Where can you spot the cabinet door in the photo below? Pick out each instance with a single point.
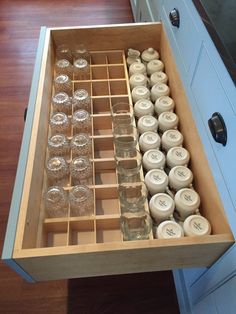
(144, 14)
(224, 297)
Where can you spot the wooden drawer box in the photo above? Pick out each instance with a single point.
(43, 249)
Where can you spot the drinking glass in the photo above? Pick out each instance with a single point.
(125, 138)
(81, 145)
(81, 121)
(62, 83)
(121, 114)
(80, 51)
(81, 170)
(57, 170)
(81, 100)
(58, 145)
(81, 201)
(129, 166)
(61, 102)
(81, 69)
(59, 123)
(136, 226)
(64, 66)
(56, 202)
(132, 196)
(64, 52)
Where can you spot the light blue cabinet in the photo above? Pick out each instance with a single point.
(210, 89)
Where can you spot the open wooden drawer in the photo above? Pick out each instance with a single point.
(42, 248)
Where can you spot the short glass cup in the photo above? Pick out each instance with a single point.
(64, 52)
(57, 170)
(132, 196)
(64, 66)
(59, 123)
(125, 138)
(129, 167)
(136, 226)
(121, 114)
(58, 145)
(81, 100)
(62, 83)
(81, 121)
(81, 201)
(81, 69)
(61, 102)
(80, 51)
(81, 171)
(81, 145)
(56, 202)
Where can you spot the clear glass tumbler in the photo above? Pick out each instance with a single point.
(136, 226)
(129, 167)
(81, 145)
(57, 170)
(60, 123)
(121, 113)
(81, 100)
(125, 138)
(81, 201)
(61, 102)
(132, 196)
(81, 171)
(81, 121)
(80, 51)
(64, 52)
(56, 202)
(58, 145)
(81, 69)
(64, 66)
(62, 83)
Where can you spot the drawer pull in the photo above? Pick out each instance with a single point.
(25, 113)
(218, 128)
(174, 17)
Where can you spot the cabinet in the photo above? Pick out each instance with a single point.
(41, 248)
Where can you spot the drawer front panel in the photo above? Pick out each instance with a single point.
(205, 86)
(186, 36)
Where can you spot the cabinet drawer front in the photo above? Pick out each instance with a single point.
(205, 87)
(69, 247)
(185, 36)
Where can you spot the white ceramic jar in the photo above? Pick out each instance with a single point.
(149, 140)
(159, 90)
(161, 207)
(133, 55)
(167, 120)
(177, 156)
(143, 107)
(138, 79)
(153, 159)
(156, 181)
(149, 54)
(168, 229)
(154, 66)
(171, 138)
(196, 225)
(158, 78)
(140, 92)
(187, 202)
(137, 67)
(163, 104)
(147, 123)
(180, 177)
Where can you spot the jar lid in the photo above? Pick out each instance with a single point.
(147, 123)
(149, 54)
(196, 225)
(169, 229)
(153, 158)
(161, 206)
(177, 156)
(158, 77)
(143, 107)
(187, 199)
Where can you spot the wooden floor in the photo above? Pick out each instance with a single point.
(20, 22)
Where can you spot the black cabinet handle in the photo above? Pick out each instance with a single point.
(25, 113)
(218, 128)
(174, 17)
